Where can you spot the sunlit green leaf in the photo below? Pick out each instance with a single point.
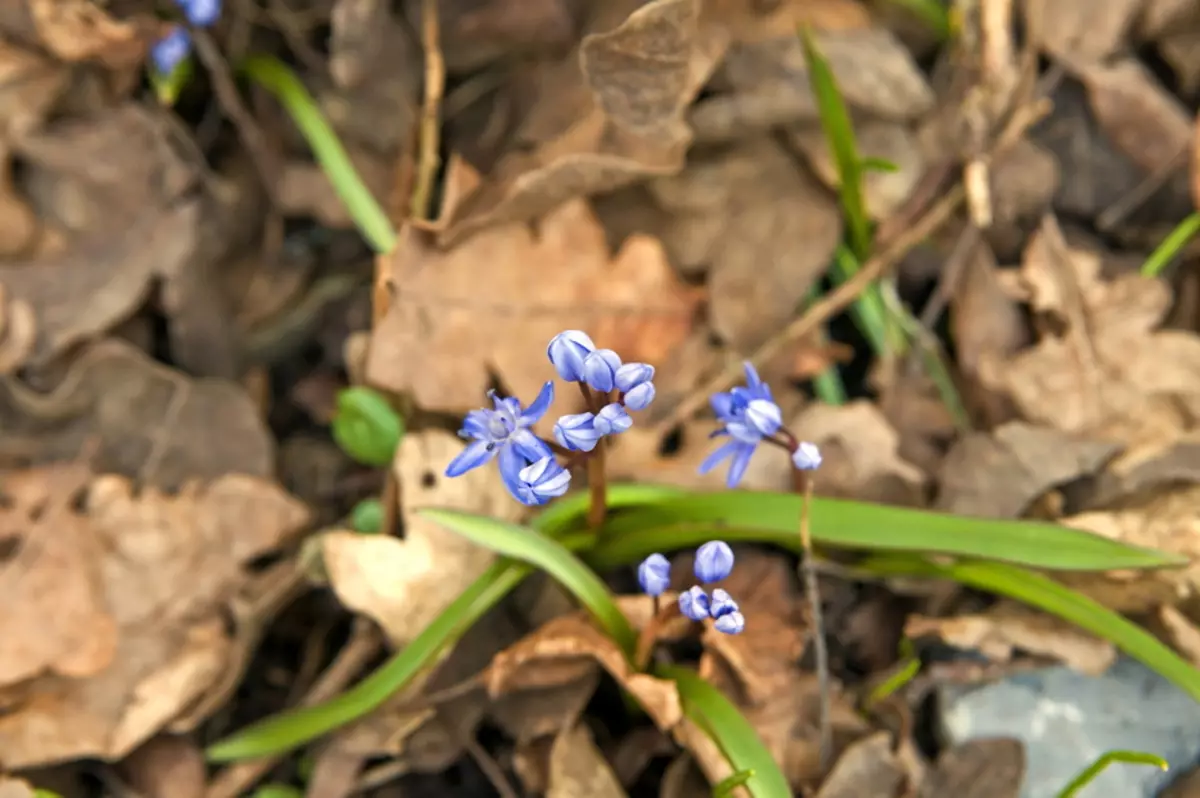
(1171, 246)
(366, 427)
(367, 516)
(725, 787)
(1096, 768)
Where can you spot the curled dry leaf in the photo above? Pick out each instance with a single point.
(861, 454)
(643, 75)
(986, 768)
(568, 648)
(1000, 474)
(1007, 628)
(867, 767)
(440, 342)
(79, 30)
(403, 584)
(123, 600)
(578, 768)
(765, 229)
(149, 422)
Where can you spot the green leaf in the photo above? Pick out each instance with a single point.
(274, 76)
(1044, 593)
(1171, 246)
(546, 554)
(873, 164)
(277, 791)
(1096, 768)
(725, 787)
(709, 709)
(168, 87)
(774, 518)
(839, 133)
(287, 730)
(366, 427)
(367, 516)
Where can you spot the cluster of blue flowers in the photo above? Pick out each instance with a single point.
(528, 467)
(168, 51)
(714, 562)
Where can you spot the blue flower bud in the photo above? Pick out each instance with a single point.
(807, 457)
(577, 432)
(764, 416)
(567, 351)
(600, 369)
(542, 481)
(631, 375)
(201, 13)
(731, 623)
(714, 561)
(168, 51)
(654, 575)
(639, 397)
(612, 419)
(693, 603)
(722, 603)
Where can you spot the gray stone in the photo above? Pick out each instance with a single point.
(1067, 720)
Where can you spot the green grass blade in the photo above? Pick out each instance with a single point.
(1096, 768)
(546, 554)
(726, 786)
(1171, 246)
(839, 133)
(569, 511)
(869, 311)
(274, 76)
(773, 517)
(1044, 593)
(709, 709)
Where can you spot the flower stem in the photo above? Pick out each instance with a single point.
(804, 486)
(597, 482)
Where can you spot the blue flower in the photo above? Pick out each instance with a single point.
(201, 13)
(600, 370)
(714, 561)
(654, 575)
(722, 603)
(168, 51)
(633, 380)
(612, 419)
(747, 415)
(577, 432)
(807, 457)
(731, 623)
(541, 481)
(567, 351)
(693, 603)
(504, 432)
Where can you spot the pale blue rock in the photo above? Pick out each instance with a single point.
(1067, 719)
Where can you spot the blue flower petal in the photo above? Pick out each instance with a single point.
(475, 455)
(725, 450)
(511, 464)
(693, 603)
(714, 562)
(529, 446)
(737, 469)
(731, 623)
(540, 405)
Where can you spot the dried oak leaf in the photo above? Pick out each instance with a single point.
(1081, 31)
(149, 422)
(642, 75)
(578, 768)
(985, 768)
(1000, 474)
(403, 584)
(867, 767)
(79, 30)
(159, 567)
(569, 648)
(1109, 369)
(492, 304)
(1007, 628)
(765, 228)
(765, 84)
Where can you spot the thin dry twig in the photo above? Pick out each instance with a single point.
(845, 294)
(812, 593)
(435, 84)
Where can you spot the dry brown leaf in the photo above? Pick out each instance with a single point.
(1182, 633)
(1181, 51)
(988, 326)
(148, 421)
(404, 584)
(79, 30)
(167, 767)
(460, 315)
(1006, 628)
(1000, 474)
(18, 333)
(867, 768)
(861, 454)
(1141, 118)
(15, 788)
(987, 768)
(569, 647)
(161, 567)
(766, 84)
(1161, 16)
(1079, 30)
(475, 32)
(578, 768)
(643, 75)
(765, 229)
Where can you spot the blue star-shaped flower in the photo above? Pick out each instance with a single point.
(747, 415)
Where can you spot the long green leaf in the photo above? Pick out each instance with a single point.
(289, 729)
(1171, 246)
(274, 76)
(708, 708)
(1044, 593)
(1093, 770)
(546, 554)
(773, 517)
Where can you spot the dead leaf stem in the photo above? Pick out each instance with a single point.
(808, 570)
(435, 83)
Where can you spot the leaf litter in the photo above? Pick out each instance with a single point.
(654, 173)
